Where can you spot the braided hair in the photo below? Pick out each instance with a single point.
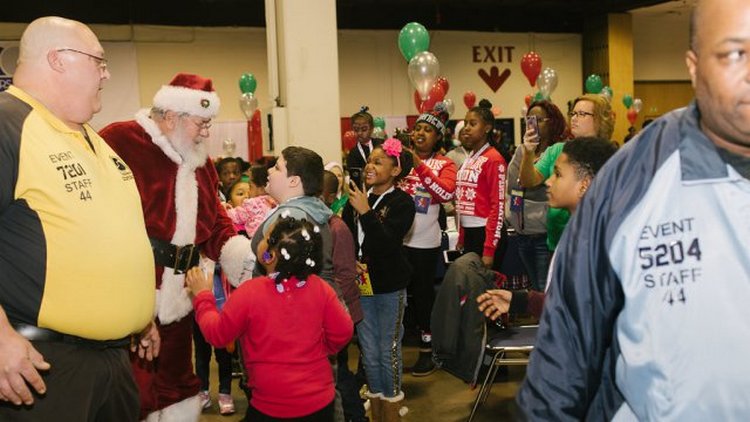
(299, 247)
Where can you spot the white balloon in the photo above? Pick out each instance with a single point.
(547, 82)
(423, 72)
(228, 146)
(449, 106)
(637, 105)
(248, 104)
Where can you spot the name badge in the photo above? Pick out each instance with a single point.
(516, 200)
(422, 201)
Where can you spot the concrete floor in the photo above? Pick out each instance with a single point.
(438, 397)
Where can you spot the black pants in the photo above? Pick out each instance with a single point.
(474, 242)
(83, 384)
(348, 388)
(323, 415)
(203, 361)
(422, 286)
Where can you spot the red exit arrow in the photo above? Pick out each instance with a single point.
(494, 79)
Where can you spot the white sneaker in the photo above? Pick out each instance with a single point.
(226, 404)
(205, 399)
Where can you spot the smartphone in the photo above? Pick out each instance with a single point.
(355, 175)
(531, 122)
(451, 255)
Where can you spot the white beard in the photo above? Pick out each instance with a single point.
(192, 151)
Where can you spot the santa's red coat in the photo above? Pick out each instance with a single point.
(180, 206)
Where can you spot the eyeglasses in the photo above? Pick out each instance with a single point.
(202, 125)
(579, 114)
(101, 61)
(364, 128)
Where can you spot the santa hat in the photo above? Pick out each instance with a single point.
(435, 117)
(191, 94)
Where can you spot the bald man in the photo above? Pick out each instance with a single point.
(75, 286)
(647, 316)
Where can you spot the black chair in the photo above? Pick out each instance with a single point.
(518, 341)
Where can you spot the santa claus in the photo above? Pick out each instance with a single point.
(165, 148)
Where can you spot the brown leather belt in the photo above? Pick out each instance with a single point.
(33, 333)
(179, 258)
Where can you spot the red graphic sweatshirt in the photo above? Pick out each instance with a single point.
(480, 192)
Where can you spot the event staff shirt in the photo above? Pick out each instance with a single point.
(74, 254)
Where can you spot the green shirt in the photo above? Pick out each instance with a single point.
(557, 218)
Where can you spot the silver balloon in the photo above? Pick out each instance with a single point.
(547, 82)
(423, 72)
(449, 106)
(637, 105)
(228, 146)
(378, 133)
(248, 104)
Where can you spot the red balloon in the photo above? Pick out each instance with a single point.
(632, 116)
(470, 99)
(527, 100)
(417, 101)
(443, 82)
(435, 95)
(350, 140)
(531, 66)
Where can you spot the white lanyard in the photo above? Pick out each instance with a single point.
(473, 157)
(360, 232)
(470, 159)
(362, 151)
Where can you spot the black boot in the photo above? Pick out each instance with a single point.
(424, 366)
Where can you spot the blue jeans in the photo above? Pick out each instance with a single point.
(380, 334)
(535, 257)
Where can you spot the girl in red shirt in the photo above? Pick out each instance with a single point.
(480, 186)
(288, 321)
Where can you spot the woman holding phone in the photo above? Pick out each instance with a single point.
(591, 116)
(526, 208)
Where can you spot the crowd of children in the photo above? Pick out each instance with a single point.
(345, 247)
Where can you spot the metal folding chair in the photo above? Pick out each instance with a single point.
(518, 341)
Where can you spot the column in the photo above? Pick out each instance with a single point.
(303, 72)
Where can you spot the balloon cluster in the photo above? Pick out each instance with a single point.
(545, 80)
(634, 106)
(248, 102)
(424, 69)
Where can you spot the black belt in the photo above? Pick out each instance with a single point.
(179, 258)
(33, 333)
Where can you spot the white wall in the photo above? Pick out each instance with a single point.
(373, 72)
(371, 69)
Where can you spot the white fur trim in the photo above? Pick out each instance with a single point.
(174, 301)
(394, 399)
(188, 410)
(237, 259)
(158, 138)
(187, 100)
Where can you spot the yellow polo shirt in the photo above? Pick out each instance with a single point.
(74, 253)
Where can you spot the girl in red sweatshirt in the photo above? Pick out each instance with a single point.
(288, 322)
(480, 186)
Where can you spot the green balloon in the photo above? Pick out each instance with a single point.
(379, 122)
(627, 100)
(248, 83)
(594, 84)
(413, 39)
(538, 97)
